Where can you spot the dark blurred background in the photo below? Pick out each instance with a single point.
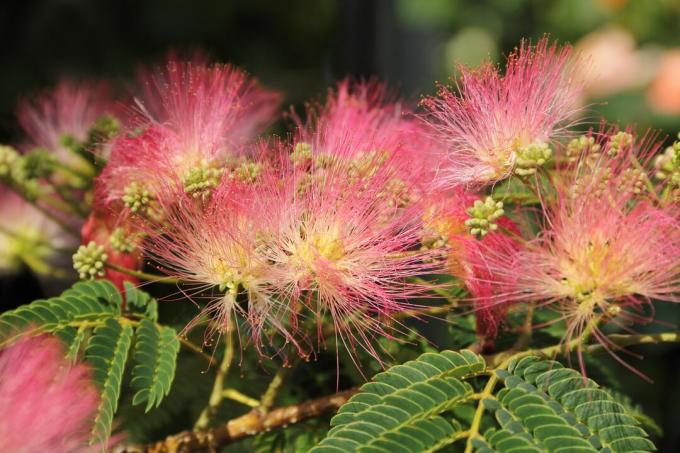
(301, 47)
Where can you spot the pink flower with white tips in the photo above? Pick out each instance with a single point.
(71, 109)
(214, 247)
(47, 403)
(27, 236)
(195, 120)
(607, 249)
(337, 250)
(298, 245)
(500, 124)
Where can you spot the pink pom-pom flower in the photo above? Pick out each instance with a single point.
(500, 124)
(608, 246)
(68, 111)
(195, 119)
(47, 403)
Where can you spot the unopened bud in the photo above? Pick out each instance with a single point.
(89, 261)
(483, 216)
(247, 172)
(8, 159)
(530, 157)
(200, 181)
(123, 241)
(302, 154)
(136, 198)
(619, 141)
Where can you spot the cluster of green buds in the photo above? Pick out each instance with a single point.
(530, 157)
(89, 261)
(200, 181)
(667, 165)
(21, 170)
(302, 154)
(619, 141)
(39, 163)
(431, 240)
(635, 180)
(104, 128)
(581, 145)
(123, 241)
(72, 144)
(483, 215)
(8, 160)
(136, 198)
(247, 172)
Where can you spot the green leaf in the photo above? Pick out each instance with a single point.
(400, 409)
(85, 301)
(140, 302)
(107, 353)
(155, 355)
(546, 407)
(75, 343)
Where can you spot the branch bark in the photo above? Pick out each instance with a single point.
(249, 424)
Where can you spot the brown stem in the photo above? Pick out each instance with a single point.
(249, 424)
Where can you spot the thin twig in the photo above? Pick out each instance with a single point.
(247, 425)
(269, 397)
(239, 397)
(217, 393)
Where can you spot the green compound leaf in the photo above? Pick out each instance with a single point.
(544, 406)
(400, 409)
(140, 302)
(89, 315)
(155, 355)
(107, 353)
(85, 301)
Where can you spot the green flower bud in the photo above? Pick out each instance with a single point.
(619, 141)
(103, 129)
(124, 241)
(667, 165)
(136, 198)
(483, 216)
(39, 163)
(302, 154)
(200, 181)
(530, 157)
(8, 159)
(89, 261)
(247, 172)
(581, 145)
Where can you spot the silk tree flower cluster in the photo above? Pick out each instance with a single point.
(335, 231)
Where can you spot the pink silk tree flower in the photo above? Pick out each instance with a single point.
(363, 122)
(499, 124)
(214, 248)
(294, 247)
(607, 249)
(339, 253)
(47, 403)
(195, 119)
(70, 110)
(27, 236)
